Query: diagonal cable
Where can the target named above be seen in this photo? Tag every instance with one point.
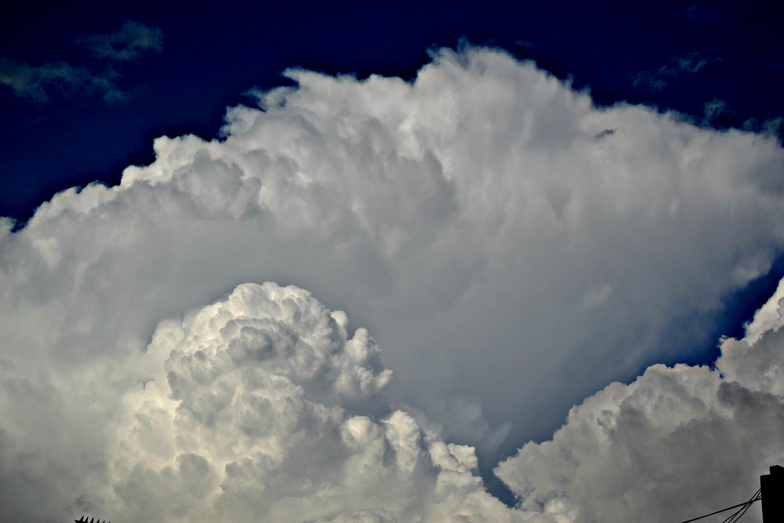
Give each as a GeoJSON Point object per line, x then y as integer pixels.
{"type": "Point", "coordinates": [737, 515]}
{"type": "Point", "coordinates": [743, 508]}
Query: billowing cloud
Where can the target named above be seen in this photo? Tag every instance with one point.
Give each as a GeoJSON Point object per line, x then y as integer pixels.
{"type": "Point", "coordinates": [256, 408]}
{"type": "Point", "coordinates": [676, 443]}
{"type": "Point", "coordinates": [260, 407]}
{"type": "Point", "coordinates": [252, 413]}
{"type": "Point", "coordinates": [512, 247]}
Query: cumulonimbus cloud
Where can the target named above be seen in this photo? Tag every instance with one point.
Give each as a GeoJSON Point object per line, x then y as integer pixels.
{"type": "Point", "coordinates": [511, 246]}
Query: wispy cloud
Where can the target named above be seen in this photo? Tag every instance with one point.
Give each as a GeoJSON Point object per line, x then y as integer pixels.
{"type": "Point", "coordinates": [32, 82]}
{"type": "Point", "coordinates": [657, 80]}
{"type": "Point", "coordinates": [130, 41]}
{"type": "Point", "coordinates": [37, 82]}
{"type": "Point", "coordinates": [714, 108]}
{"type": "Point", "coordinates": [691, 63]}
{"type": "Point", "coordinates": [770, 127]}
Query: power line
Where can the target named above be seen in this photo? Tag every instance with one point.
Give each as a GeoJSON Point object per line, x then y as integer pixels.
{"type": "Point", "coordinates": [735, 516]}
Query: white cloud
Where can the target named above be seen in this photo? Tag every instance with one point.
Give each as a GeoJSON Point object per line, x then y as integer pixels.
{"type": "Point", "coordinates": [509, 254]}
{"type": "Point", "coordinates": [247, 410]}
{"type": "Point", "coordinates": [675, 444]}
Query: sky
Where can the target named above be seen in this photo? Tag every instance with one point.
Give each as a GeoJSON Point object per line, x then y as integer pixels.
{"type": "Point", "coordinates": [393, 262]}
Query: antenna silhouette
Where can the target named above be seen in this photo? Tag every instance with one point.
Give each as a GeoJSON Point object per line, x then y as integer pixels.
{"type": "Point", "coordinates": [85, 520]}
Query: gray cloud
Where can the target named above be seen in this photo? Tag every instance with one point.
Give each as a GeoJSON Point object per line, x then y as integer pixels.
{"type": "Point", "coordinates": [771, 127]}
{"type": "Point", "coordinates": [130, 41]}
{"type": "Point", "coordinates": [691, 63]}
{"type": "Point", "coordinates": [507, 260]}
{"type": "Point", "coordinates": [657, 80]}
{"type": "Point", "coordinates": [714, 108]}
{"type": "Point", "coordinates": [31, 82]}
{"type": "Point", "coordinates": [37, 82]}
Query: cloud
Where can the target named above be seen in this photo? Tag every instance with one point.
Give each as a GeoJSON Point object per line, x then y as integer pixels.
{"type": "Point", "coordinates": [714, 108]}
{"type": "Point", "coordinates": [31, 82]}
{"type": "Point", "coordinates": [509, 254]}
{"type": "Point", "coordinates": [525, 44]}
{"type": "Point", "coordinates": [691, 63]}
{"type": "Point", "coordinates": [657, 80]}
{"type": "Point", "coordinates": [36, 82]}
{"type": "Point", "coordinates": [676, 443]}
{"type": "Point", "coordinates": [130, 41]}
{"type": "Point", "coordinates": [771, 127]}
{"type": "Point", "coordinates": [248, 416]}
{"type": "Point", "coordinates": [249, 409]}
